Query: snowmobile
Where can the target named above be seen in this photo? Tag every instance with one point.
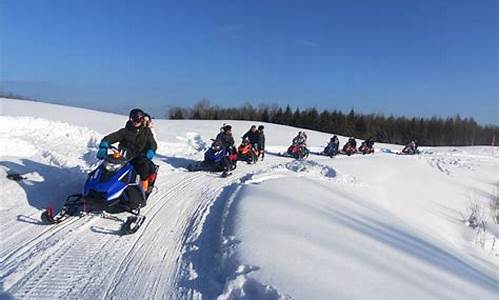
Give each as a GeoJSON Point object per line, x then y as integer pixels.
{"type": "Point", "coordinates": [331, 150]}
{"type": "Point", "coordinates": [113, 187]}
{"type": "Point", "coordinates": [214, 159]}
{"type": "Point", "coordinates": [247, 152]}
{"type": "Point", "coordinates": [348, 150]}
{"type": "Point", "coordinates": [409, 150]}
{"type": "Point", "coordinates": [364, 149]}
{"type": "Point", "coordinates": [298, 151]}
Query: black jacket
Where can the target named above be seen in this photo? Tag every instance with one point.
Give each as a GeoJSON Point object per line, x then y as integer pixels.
{"type": "Point", "coordinates": [252, 136]}
{"type": "Point", "coordinates": [135, 141]}
{"type": "Point", "coordinates": [226, 139]}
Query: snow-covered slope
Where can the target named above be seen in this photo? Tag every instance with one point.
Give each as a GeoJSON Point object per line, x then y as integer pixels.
{"type": "Point", "coordinates": [382, 226]}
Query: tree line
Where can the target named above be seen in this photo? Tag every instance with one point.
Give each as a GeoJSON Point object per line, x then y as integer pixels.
{"type": "Point", "coordinates": [434, 131]}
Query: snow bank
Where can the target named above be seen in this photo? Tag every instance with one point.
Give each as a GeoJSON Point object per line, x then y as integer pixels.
{"type": "Point", "coordinates": [318, 241]}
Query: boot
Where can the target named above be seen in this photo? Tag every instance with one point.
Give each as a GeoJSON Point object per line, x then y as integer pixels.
{"type": "Point", "coordinates": [145, 184]}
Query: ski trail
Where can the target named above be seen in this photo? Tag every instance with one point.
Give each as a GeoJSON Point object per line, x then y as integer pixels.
{"type": "Point", "coordinates": [127, 258]}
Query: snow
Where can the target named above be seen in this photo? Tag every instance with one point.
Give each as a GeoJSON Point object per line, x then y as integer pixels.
{"type": "Point", "coordinates": [380, 226]}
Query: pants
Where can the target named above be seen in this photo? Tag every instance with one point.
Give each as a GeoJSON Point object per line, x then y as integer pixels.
{"type": "Point", "coordinates": [142, 166]}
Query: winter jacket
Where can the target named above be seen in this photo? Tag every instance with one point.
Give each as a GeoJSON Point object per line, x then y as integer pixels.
{"type": "Point", "coordinates": [299, 140]}
{"type": "Point", "coordinates": [134, 141]}
{"type": "Point", "coordinates": [369, 143]}
{"type": "Point", "coordinates": [261, 140]}
{"type": "Point", "coordinates": [253, 137]}
{"type": "Point", "coordinates": [226, 139]}
{"type": "Point", "coordinates": [352, 143]}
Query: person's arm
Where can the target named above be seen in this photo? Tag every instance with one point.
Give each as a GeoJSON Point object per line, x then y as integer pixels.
{"type": "Point", "coordinates": [114, 137]}
{"type": "Point", "coordinates": [245, 135]}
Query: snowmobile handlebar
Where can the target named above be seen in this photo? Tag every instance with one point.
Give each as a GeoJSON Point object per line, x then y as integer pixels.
{"type": "Point", "coordinates": [116, 157]}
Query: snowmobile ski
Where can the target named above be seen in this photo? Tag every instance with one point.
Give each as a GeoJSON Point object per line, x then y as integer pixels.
{"type": "Point", "coordinates": [132, 224]}
{"type": "Point", "coordinates": [225, 174]}
{"type": "Point", "coordinates": [15, 176]}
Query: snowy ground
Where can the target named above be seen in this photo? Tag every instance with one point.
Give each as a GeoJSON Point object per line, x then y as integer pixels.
{"type": "Point", "coordinates": [382, 226]}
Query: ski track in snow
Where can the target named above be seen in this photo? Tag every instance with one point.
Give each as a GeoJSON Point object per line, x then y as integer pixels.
{"type": "Point", "coordinates": [181, 251]}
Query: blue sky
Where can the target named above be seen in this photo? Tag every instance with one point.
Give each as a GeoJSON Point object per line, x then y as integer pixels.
{"type": "Point", "coordinates": [414, 58]}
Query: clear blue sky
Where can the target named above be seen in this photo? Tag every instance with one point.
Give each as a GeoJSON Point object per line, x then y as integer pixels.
{"type": "Point", "coordinates": [414, 58]}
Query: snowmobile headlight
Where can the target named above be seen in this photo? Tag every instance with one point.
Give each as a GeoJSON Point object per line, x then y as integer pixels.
{"type": "Point", "coordinates": [110, 167]}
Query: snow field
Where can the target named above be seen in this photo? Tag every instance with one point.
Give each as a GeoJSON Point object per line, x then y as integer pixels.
{"type": "Point", "coordinates": [381, 226]}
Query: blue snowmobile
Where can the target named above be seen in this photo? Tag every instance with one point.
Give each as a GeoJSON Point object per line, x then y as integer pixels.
{"type": "Point", "coordinates": [214, 159]}
{"type": "Point", "coordinates": [113, 187]}
{"type": "Point", "coordinates": [331, 149]}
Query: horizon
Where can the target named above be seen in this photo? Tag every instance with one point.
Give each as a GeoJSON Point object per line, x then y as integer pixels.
{"type": "Point", "coordinates": [164, 115]}
{"type": "Point", "coordinates": [404, 59]}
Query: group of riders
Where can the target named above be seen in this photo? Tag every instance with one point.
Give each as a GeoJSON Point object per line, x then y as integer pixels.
{"type": "Point", "coordinates": [126, 175]}
{"type": "Point", "coordinates": [137, 140]}
{"type": "Point", "coordinates": [299, 150]}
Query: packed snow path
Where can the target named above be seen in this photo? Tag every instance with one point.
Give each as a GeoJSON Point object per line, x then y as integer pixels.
{"type": "Point", "coordinates": [338, 228]}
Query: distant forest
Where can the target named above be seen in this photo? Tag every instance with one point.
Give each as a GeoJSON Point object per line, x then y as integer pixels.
{"type": "Point", "coordinates": [434, 131]}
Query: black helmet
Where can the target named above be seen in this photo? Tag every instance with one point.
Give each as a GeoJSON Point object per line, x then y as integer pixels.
{"type": "Point", "coordinates": [136, 115]}
{"type": "Point", "coordinates": [261, 127]}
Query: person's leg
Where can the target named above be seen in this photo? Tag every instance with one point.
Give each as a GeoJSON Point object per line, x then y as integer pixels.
{"type": "Point", "coordinates": [142, 167]}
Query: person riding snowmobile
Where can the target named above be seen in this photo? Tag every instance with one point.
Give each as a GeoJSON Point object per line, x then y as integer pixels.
{"type": "Point", "coordinates": [252, 135]}
{"type": "Point", "coordinates": [137, 142]}
{"type": "Point", "coordinates": [225, 138]}
{"type": "Point", "coordinates": [367, 146]}
{"type": "Point", "coordinates": [332, 147]}
{"type": "Point", "coordinates": [148, 122]}
{"type": "Point", "coordinates": [411, 148]}
{"type": "Point", "coordinates": [261, 140]}
{"type": "Point", "coordinates": [298, 149]}
{"type": "Point", "coordinates": [350, 147]}
{"type": "Point", "coordinates": [300, 139]}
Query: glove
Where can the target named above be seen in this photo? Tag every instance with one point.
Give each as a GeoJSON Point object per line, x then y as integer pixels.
{"type": "Point", "coordinates": [103, 150]}
{"type": "Point", "coordinates": [150, 154]}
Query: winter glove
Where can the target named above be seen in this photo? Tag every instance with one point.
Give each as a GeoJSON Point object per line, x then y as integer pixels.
{"type": "Point", "coordinates": [103, 150]}
{"type": "Point", "coordinates": [150, 154]}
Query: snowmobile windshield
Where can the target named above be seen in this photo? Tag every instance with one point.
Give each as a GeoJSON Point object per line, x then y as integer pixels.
{"type": "Point", "coordinates": [113, 162]}
{"type": "Point", "coordinates": [112, 166]}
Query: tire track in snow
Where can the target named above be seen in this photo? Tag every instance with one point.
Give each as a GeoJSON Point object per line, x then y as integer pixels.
{"type": "Point", "coordinates": [23, 260]}
{"type": "Point", "coordinates": [45, 244]}
{"type": "Point", "coordinates": [126, 261]}
{"type": "Point", "coordinates": [57, 272]}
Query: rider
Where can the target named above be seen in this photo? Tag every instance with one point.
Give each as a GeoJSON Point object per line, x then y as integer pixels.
{"type": "Point", "coordinates": [261, 140]}
{"type": "Point", "coordinates": [225, 138]}
{"type": "Point", "coordinates": [413, 146]}
{"type": "Point", "coordinates": [148, 122]}
{"type": "Point", "coordinates": [137, 142]}
{"type": "Point", "coordinates": [369, 144]}
{"type": "Point", "coordinates": [333, 144]}
{"type": "Point", "coordinates": [352, 142]}
{"type": "Point", "coordinates": [350, 146]}
{"type": "Point", "coordinates": [300, 139]}
{"type": "Point", "coordinates": [252, 135]}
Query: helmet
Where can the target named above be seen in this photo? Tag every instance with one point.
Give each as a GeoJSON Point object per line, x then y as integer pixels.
{"type": "Point", "coordinates": [136, 115]}
{"type": "Point", "coordinates": [261, 127]}
{"type": "Point", "coordinates": [226, 127]}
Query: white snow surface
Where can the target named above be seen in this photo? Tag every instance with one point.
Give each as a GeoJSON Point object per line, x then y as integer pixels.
{"type": "Point", "coordinates": [382, 226]}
